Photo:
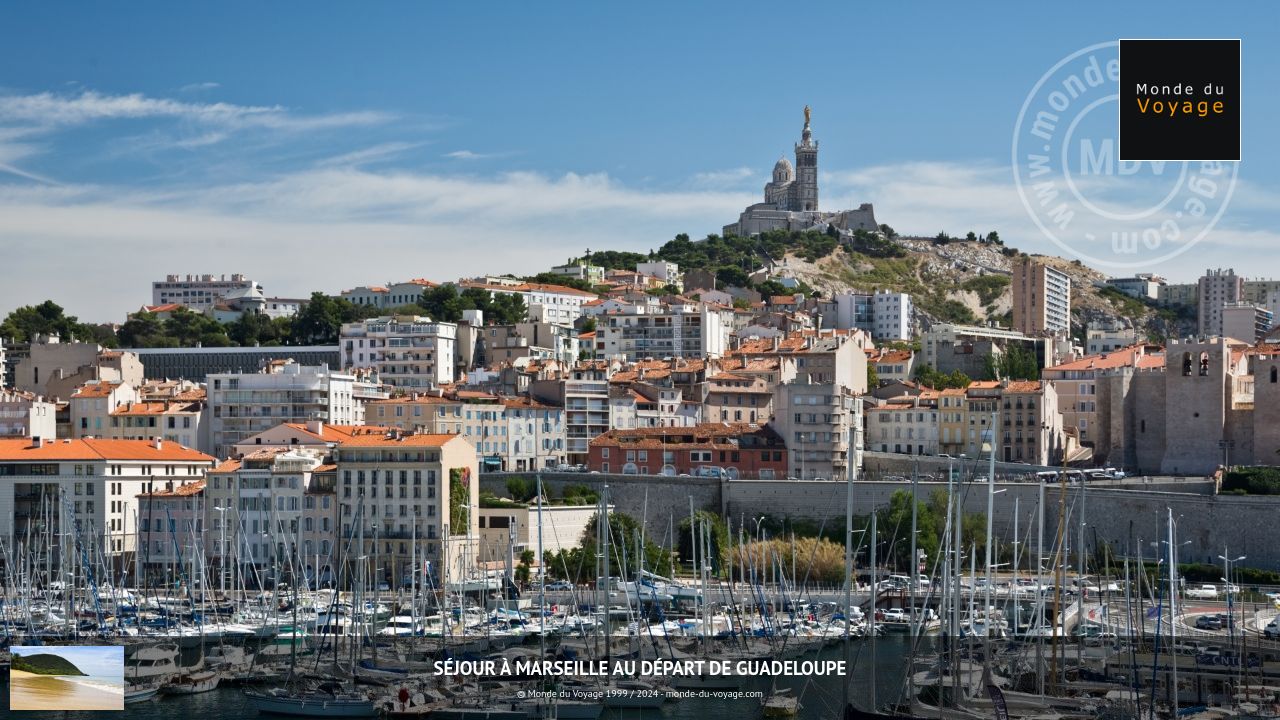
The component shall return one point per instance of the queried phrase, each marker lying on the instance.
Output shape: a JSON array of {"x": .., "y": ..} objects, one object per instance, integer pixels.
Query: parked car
[
  {"x": 895, "y": 615},
  {"x": 1208, "y": 622},
  {"x": 559, "y": 585},
  {"x": 1272, "y": 630},
  {"x": 1204, "y": 592}
]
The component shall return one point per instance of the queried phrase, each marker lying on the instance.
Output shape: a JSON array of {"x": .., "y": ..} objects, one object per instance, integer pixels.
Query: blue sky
[
  {"x": 323, "y": 146},
  {"x": 105, "y": 661}
]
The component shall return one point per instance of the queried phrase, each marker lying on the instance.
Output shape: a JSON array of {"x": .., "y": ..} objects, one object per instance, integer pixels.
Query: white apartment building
[
  {"x": 245, "y": 404},
  {"x": 667, "y": 272},
  {"x": 584, "y": 395},
  {"x": 891, "y": 313},
  {"x": 24, "y": 414},
  {"x": 1101, "y": 338},
  {"x": 405, "y": 351},
  {"x": 506, "y": 532},
  {"x": 198, "y": 292},
  {"x": 692, "y": 330},
  {"x": 388, "y": 296},
  {"x": 92, "y": 482}
]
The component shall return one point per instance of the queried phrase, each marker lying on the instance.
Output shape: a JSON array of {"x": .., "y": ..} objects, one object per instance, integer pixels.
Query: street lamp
[{"x": 1226, "y": 570}]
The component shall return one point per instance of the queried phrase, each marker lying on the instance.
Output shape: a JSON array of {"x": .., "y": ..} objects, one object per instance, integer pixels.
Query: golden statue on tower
[{"x": 806, "y": 114}]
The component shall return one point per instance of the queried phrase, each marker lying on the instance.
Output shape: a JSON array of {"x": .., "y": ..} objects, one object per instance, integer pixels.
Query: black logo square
[{"x": 1180, "y": 100}]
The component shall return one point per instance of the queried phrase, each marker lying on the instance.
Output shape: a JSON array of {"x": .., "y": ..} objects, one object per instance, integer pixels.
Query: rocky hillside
[{"x": 968, "y": 282}]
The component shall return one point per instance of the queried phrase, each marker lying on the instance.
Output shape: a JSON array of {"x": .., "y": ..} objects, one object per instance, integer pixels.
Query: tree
[
  {"x": 895, "y": 521},
  {"x": 888, "y": 231},
  {"x": 926, "y": 375},
  {"x": 578, "y": 564},
  {"x": 993, "y": 237},
  {"x": 141, "y": 330},
  {"x": 47, "y": 318},
  {"x": 971, "y": 236},
  {"x": 320, "y": 322},
  {"x": 719, "y": 540},
  {"x": 442, "y": 303},
  {"x": 188, "y": 328},
  {"x": 873, "y": 377},
  {"x": 1015, "y": 363},
  {"x": 588, "y": 325},
  {"x": 521, "y": 488}
]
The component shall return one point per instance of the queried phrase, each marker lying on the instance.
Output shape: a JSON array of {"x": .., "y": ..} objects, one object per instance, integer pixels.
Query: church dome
[{"x": 782, "y": 171}]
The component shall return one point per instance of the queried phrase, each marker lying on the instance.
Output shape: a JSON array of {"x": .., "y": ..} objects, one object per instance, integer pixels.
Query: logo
[{"x": 1107, "y": 211}]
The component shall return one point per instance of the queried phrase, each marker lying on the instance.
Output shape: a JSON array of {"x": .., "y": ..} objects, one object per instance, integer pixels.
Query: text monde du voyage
[{"x": 1180, "y": 99}]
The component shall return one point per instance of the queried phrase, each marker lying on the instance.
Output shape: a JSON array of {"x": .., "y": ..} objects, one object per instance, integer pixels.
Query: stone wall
[{"x": 1127, "y": 517}]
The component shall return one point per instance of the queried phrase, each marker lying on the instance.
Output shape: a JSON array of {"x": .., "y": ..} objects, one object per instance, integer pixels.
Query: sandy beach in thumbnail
[{"x": 28, "y": 691}]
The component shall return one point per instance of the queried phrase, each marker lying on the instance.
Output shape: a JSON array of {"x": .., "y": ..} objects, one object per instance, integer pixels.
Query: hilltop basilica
[{"x": 791, "y": 198}]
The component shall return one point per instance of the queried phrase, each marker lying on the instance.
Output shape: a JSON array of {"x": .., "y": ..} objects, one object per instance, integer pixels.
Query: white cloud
[
  {"x": 732, "y": 179},
  {"x": 365, "y": 156},
  {"x": 49, "y": 110},
  {"x": 198, "y": 87}
]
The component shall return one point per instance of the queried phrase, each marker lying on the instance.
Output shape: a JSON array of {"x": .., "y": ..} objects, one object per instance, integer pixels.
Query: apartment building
[
  {"x": 171, "y": 535},
  {"x": 819, "y": 356},
  {"x": 737, "y": 398},
  {"x": 732, "y": 450},
  {"x": 907, "y": 424},
  {"x": 24, "y": 414},
  {"x": 55, "y": 369},
  {"x": 1041, "y": 298},
  {"x": 508, "y": 433},
  {"x": 255, "y": 514},
  {"x": 393, "y": 487},
  {"x": 1030, "y": 428},
  {"x": 493, "y": 346},
  {"x": 242, "y": 405},
  {"x": 198, "y": 292},
  {"x": 584, "y": 394},
  {"x": 1215, "y": 290},
  {"x": 817, "y": 421},
  {"x": 51, "y": 486},
  {"x": 405, "y": 351},
  {"x": 1245, "y": 321},
  {"x": 391, "y": 295},
  {"x": 690, "y": 330}
]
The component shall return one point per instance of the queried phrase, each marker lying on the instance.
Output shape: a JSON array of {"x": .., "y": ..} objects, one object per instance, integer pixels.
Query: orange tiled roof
[
  {"x": 227, "y": 466},
  {"x": 340, "y": 433},
  {"x": 1124, "y": 357},
  {"x": 894, "y": 356},
  {"x": 183, "y": 490},
  {"x": 166, "y": 307},
  {"x": 397, "y": 440},
  {"x": 95, "y": 390},
  {"x": 98, "y": 449},
  {"x": 153, "y": 408},
  {"x": 1023, "y": 386}
]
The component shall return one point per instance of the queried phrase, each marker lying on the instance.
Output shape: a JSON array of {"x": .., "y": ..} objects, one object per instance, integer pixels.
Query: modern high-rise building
[
  {"x": 1041, "y": 298},
  {"x": 1216, "y": 289}
]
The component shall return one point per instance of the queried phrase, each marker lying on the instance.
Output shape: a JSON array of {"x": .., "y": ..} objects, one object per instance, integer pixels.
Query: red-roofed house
[{"x": 740, "y": 450}]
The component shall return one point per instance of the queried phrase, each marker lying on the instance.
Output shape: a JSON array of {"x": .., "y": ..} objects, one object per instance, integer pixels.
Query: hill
[
  {"x": 959, "y": 280},
  {"x": 44, "y": 664}
]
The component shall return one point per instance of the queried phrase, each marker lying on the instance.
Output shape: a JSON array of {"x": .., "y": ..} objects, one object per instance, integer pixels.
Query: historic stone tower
[{"x": 804, "y": 190}]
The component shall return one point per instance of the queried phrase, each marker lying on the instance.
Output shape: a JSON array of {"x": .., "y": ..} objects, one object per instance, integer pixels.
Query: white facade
[
  {"x": 903, "y": 427},
  {"x": 667, "y": 272},
  {"x": 891, "y": 313},
  {"x": 1099, "y": 339},
  {"x": 25, "y": 414},
  {"x": 198, "y": 292},
  {"x": 93, "y": 482},
  {"x": 244, "y": 404},
  {"x": 690, "y": 330},
  {"x": 405, "y": 351}
]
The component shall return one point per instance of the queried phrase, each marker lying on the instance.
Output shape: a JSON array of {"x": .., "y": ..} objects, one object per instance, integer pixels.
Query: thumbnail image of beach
[{"x": 66, "y": 678}]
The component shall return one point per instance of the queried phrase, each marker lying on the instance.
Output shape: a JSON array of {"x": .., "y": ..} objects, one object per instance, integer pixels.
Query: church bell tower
[{"x": 806, "y": 183}]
